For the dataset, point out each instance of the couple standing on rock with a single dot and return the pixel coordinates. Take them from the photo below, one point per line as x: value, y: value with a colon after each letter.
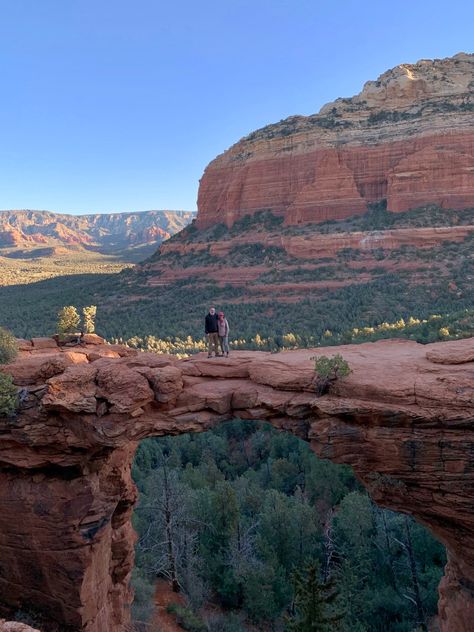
x: 217, y: 332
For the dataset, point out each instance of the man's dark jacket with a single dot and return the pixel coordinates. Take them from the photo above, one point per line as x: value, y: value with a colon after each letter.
x: 211, y: 324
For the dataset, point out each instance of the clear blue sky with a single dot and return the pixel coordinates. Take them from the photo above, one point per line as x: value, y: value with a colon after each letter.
x: 117, y: 105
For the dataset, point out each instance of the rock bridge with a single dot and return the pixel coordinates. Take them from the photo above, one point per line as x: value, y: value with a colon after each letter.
x: 403, y: 419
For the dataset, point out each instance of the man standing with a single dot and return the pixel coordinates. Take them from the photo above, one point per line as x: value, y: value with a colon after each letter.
x: 212, y: 332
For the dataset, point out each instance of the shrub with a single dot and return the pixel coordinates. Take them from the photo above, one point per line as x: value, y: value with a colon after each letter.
x: 88, y: 318
x: 68, y: 320
x: 8, y: 348
x: 28, y: 618
x: 143, y: 606
x: 231, y: 622
x: 186, y: 618
x: 328, y: 370
x: 8, y: 395
x: 331, y: 368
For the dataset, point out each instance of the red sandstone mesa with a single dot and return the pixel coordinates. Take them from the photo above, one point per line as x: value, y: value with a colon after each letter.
x: 403, y: 419
x: 407, y: 137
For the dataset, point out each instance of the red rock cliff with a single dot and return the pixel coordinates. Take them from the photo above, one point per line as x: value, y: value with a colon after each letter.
x: 407, y: 137
x: 403, y: 419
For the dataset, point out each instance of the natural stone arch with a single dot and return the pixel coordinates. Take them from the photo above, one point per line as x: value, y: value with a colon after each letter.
x: 403, y: 420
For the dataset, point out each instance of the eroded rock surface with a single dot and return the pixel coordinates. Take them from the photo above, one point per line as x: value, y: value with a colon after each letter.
x: 403, y: 420
x: 14, y: 626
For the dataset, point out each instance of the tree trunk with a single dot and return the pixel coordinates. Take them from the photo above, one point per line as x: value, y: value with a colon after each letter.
x: 414, y: 575
x: 169, y: 534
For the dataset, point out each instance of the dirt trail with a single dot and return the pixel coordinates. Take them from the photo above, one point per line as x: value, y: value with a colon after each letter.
x: 164, y: 596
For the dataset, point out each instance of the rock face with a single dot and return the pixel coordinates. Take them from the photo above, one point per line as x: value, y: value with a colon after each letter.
x: 407, y: 138
x: 403, y: 420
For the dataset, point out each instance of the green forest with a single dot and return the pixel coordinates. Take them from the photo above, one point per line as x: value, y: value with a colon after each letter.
x: 177, y: 311
x: 235, y: 516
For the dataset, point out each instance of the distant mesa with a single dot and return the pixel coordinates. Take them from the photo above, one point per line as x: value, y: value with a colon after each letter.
x: 407, y: 139
x: 108, y: 233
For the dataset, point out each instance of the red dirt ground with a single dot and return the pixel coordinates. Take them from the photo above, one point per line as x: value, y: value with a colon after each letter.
x: 164, y: 596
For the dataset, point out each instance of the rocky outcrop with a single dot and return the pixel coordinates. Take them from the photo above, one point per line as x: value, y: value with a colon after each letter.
x: 14, y: 626
x: 403, y: 420
x: 407, y: 138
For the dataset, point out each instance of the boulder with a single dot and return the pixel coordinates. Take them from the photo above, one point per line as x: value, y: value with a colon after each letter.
x: 44, y: 343
x: 453, y: 352
x: 124, y: 389
x: 35, y: 369
x: 92, y: 339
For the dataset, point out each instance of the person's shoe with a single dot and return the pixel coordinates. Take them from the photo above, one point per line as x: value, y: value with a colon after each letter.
x: 227, y: 355
x: 209, y: 356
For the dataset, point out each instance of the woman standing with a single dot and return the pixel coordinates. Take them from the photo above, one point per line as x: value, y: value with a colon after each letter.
x: 223, y: 330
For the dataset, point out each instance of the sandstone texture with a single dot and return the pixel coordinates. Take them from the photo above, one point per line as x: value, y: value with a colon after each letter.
x: 13, y: 626
x: 407, y: 138
x: 403, y: 420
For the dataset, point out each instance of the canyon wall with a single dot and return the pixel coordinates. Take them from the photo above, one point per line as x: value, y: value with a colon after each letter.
x: 106, y: 231
x: 407, y: 139
x: 403, y: 420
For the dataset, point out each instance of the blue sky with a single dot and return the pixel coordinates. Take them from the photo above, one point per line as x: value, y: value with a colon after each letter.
x: 118, y: 105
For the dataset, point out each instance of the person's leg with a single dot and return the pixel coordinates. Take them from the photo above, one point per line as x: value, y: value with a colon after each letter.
x: 216, y: 344
x: 226, y: 345
x: 222, y: 343
x: 209, y: 345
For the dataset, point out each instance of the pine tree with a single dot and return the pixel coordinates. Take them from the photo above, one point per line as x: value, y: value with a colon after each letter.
x: 8, y: 395
x: 68, y: 320
x: 316, y: 608
x: 88, y: 318
x: 8, y: 348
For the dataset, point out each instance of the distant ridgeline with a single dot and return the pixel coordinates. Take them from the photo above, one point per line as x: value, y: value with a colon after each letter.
x: 38, y: 245
x: 39, y: 233
x: 351, y: 224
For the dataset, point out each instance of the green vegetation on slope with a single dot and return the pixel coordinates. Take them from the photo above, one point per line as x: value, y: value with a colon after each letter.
x: 177, y: 311
x: 8, y: 391
x: 376, y: 218
x: 369, y: 287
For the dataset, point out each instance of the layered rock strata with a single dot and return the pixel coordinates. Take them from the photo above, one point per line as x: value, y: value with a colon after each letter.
x: 403, y: 420
x: 107, y: 232
x: 407, y: 138
x: 307, y: 249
